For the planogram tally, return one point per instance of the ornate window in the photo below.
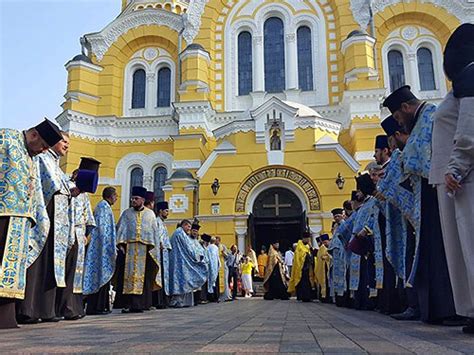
(136, 179)
(245, 62)
(305, 58)
(139, 89)
(274, 54)
(164, 87)
(425, 69)
(396, 69)
(159, 179)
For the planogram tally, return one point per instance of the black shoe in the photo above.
(28, 321)
(74, 317)
(469, 328)
(409, 314)
(51, 320)
(135, 311)
(455, 321)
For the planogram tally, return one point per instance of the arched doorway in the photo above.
(277, 215)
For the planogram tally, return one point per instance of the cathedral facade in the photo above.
(253, 116)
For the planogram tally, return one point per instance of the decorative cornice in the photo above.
(364, 156)
(192, 19)
(316, 122)
(100, 42)
(327, 144)
(76, 96)
(234, 127)
(461, 9)
(187, 164)
(117, 130)
(82, 64)
(354, 39)
(222, 149)
(192, 115)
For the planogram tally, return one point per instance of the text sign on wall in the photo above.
(281, 173)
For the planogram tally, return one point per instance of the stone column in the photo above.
(150, 93)
(291, 62)
(258, 65)
(412, 77)
(241, 233)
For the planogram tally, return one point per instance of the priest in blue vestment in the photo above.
(19, 193)
(99, 264)
(137, 235)
(48, 240)
(188, 270)
(430, 271)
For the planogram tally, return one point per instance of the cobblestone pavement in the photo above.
(244, 326)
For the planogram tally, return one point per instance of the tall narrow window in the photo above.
(139, 89)
(158, 183)
(274, 53)
(136, 178)
(164, 87)
(425, 69)
(245, 63)
(396, 70)
(305, 59)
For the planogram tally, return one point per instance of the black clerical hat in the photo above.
(394, 101)
(381, 142)
(50, 133)
(365, 184)
(459, 51)
(87, 180)
(139, 191)
(336, 211)
(206, 237)
(307, 234)
(150, 196)
(89, 164)
(162, 205)
(390, 126)
(354, 195)
(324, 237)
(195, 226)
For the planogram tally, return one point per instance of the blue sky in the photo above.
(37, 38)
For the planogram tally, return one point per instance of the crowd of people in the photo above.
(401, 245)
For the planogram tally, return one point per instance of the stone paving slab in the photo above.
(248, 326)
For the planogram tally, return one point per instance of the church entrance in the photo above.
(277, 215)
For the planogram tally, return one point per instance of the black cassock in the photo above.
(435, 295)
(276, 287)
(303, 289)
(40, 292)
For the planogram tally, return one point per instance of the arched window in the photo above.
(139, 89)
(396, 69)
(159, 179)
(164, 87)
(425, 69)
(305, 59)
(136, 178)
(245, 63)
(274, 53)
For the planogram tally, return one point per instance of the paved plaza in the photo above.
(244, 326)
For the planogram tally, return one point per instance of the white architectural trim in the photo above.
(326, 143)
(117, 130)
(192, 19)
(410, 60)
(196, 114)
(285, 11)
(147, 162)
(275, 182)
(195, 53)
(187, 164)
(225, 148)
(100, 42)
(364, 155)
(163, 59)
(82, 64)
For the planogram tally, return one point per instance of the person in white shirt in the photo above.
(289, 258)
